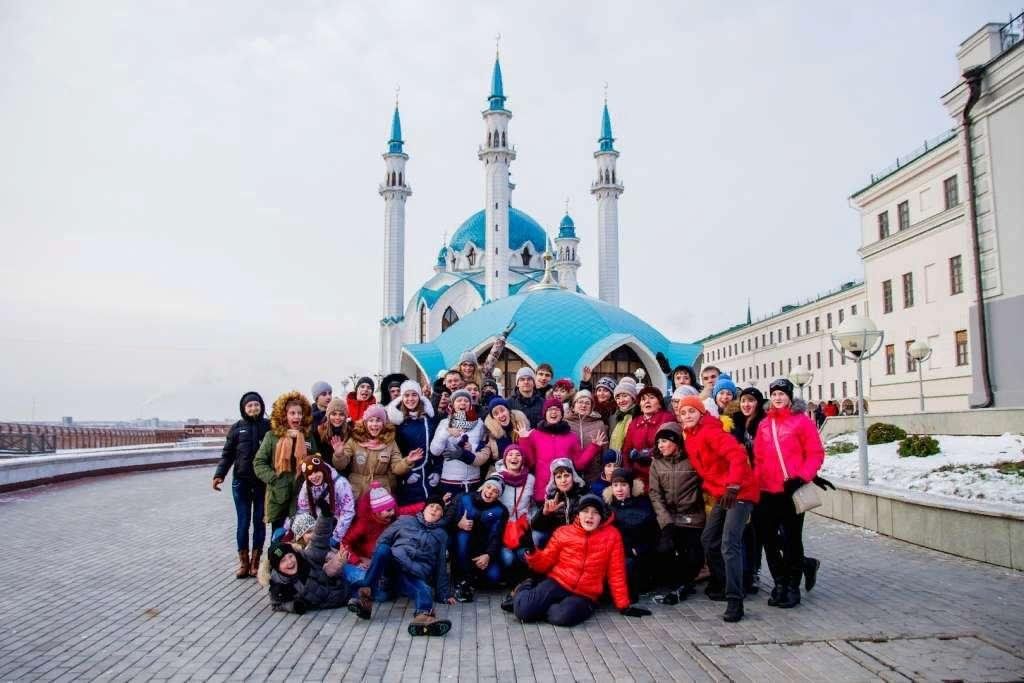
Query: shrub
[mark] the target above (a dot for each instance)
(881, 432)
(839, 447)
(918, 446)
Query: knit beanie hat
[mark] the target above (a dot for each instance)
(650, 391)
(609, 456)
(628, 379)
(525, 371)
(684, 391)
(511, 447)
(592, 501)
(670, 431)
(583, 393)
(494, 480)
(460, 393)
(755, 392)
(411, 385)
(624, 387)
(366, 380)
(314, 463)
(494, 403)
(251, 396)
(337, 403)
(621, 475)
(376, 410)
(467, 357)
(606, 382)
(490, 383)
(693, 402)
(321, 387)
(277, 552)
(380, 498)
(564, 383)
(781, 384)
(553, 403)
(301, 523)
(724, 383)
(435, 499)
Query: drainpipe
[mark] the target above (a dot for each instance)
(973, 78)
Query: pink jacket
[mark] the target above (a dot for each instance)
(540, 448)
(800, 444)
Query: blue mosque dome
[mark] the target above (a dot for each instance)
(563, 328)
(567, 228)
(522, 229)
(442, 257)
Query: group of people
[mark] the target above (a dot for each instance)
(563, 492)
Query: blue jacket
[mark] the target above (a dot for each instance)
(423, 478)
(489, 527)
(421, 550)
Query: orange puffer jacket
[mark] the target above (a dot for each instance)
(579, 561)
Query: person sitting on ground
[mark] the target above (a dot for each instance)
(298, 531)
(679, 508)
(319, 481)
(517, 497)
(578, 562)
(375, 511)
(634, 517)
(477, 522)
(458, 438)
(413, 551)
(310, 578)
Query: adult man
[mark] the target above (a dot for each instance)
(708, 376)
(452, 383)
(543, 378)
(526, 398)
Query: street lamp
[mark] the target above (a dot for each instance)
(857, 339)
(801, 377)
(920, 352)
(496, 373)
(640, 373)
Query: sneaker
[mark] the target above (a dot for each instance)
(426, 624)
(811, 566)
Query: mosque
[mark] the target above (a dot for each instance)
(501, 266)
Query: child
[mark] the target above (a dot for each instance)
(635, 520)
(413, 550)
(458, 437)
(281, 451)
(310, 578)
(298, 531)
(517, 497)
(477, 521)
(319, 481)
(371, 452)
(564, 491)
(609, 463)
(580, 559)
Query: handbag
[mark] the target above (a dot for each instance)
(514, 529)
(804, 498)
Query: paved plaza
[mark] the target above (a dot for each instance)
(130, 577)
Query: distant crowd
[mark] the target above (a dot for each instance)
(562, 495)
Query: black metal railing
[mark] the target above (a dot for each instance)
(1011, 32)
(27, 444)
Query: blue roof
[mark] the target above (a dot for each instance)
(497, 97)
(522, 229)
(566, 329)
(606, 138)
(395, 143)
(567, 228)
(442, 256)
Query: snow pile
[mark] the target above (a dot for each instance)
(965, 468)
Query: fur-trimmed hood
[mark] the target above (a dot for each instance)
(638, 490)
(361, 436)
(396, 415)
(278, 417)
(520, 423)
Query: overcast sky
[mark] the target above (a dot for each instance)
(188, 196)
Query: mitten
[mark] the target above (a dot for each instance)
(634, 611)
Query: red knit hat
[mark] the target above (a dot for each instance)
(553, 403)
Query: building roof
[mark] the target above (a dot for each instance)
(606, 140)
(907, 159)
(395, 143)
(567, 228)
(566, 329)
(522, 229)
(497, 96)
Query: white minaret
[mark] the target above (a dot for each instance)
(394, 190)
(496, 155)
(567, 262)
(606, 189)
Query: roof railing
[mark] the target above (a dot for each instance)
(902, 161)
(1011, 32)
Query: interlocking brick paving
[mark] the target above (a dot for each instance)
(130, 577)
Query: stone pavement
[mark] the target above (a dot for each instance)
(130, 577)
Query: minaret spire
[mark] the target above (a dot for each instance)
(497, 155)
(394, 190)
(606, 190)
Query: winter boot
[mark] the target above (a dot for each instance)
(715, 590)
(254, 561)
(791, 598)
(362, 604)
(464, 591)
(243, 565)
(426, 624)
(811, 566)
(733, 610)
(508, 604)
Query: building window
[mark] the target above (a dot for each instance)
(423, 324)
(828, 320)
(762, 339)
(449, 318)
(956, 275)
(911, 363)
(853, 309)
(883, 225)
(819, 392)
(890, 359)
(471, 257)
(798, 328)
(831, 389)
(949, 189)
(817, 360)
(817, 323)
(908, 290)
(904, 213)
(961, 347)
(831, 358)
(887, 296)
(844, 389)
(841, 313)
(842, 359)
(808, 361)
(773, 368)
(771, 337)
(789, 365)
(787, 332)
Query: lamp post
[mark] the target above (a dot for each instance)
(355, 378)
(640, 373)
(801, 377)
(858, 339)
(920, 352)
(497, 374)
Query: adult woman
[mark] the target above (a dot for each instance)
(371, 452)
(553, 439)
(586, 425)
(281, 452)
(502, 427)
(332, 433)
(638, 444)
(418, 471)
(457, 438)
(247, 491)
(787, 455)
(683, 375)
(744, 428)
(360, 398)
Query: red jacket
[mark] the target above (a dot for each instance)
(356, 408)
(640, 435)
(361, 537)
(579, 561)
(720, 459)
(800, 444)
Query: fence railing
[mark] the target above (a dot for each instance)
(1011, 32)
(25, 438)
(27, 444)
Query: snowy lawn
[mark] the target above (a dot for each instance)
(981, 468)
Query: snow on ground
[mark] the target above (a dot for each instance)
(965, 468)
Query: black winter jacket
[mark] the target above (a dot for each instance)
(532, 407)
(635, 520)
(242, 443)
(313, 588)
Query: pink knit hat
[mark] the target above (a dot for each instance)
(376, 410)
(380, 498)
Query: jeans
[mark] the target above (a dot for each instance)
(354, 573)
(781, 530)
(249, 498)
(414, 588)
(552, 603)
(751, 549)
(723, 545)
(469, 544)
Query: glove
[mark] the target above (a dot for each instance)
(665, 544)
(299, 606)
(728, 498)
(634, 611)
(792, 485)
(642, 457)
(464, 440)
(824, 484)
(663, 363)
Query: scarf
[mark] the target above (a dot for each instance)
(560, 427)
(288, 454)
(514, 479)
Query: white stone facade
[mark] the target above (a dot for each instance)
(496, 155)
(395, 190)
(606, 190)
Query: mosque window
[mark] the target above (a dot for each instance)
(619, 363)
(613, 176)
(526, 256)
(503, 140)
(400, 180)
(423, 324)
(471, 257)
(449, 318)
